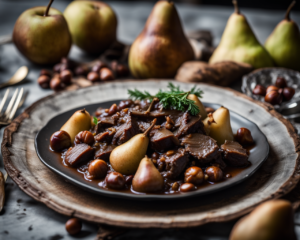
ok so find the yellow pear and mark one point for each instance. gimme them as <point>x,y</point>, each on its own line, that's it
<point>207,122</point>
<point>221,130</point>
<point>162,46</point>
<point>272,220</point>
<point>197,101</point>
<point>126,158</point>
<point>79,121</point>
<point>147,178</point>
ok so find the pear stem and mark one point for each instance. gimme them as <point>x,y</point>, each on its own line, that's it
<point>236,7</point>
<point>287,14</point>
<point>151,105</point>
<point>48,8</point>
<point>150,128</point>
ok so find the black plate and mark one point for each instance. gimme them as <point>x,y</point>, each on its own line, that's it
<point>258,155</point>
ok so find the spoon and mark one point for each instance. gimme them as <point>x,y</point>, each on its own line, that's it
<point>19,75</point>
<point>290,110</point>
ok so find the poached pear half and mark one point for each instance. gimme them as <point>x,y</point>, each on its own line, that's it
<point>239,44</point>
<point>162,46</point>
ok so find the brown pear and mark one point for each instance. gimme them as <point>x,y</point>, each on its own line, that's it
<point>147,178</point>
<point>162,46</point>
<point>272,220</point>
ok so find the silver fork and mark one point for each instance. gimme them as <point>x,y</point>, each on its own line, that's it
<point>14,104</point>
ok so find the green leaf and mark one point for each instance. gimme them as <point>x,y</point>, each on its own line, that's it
<point>95,120</point>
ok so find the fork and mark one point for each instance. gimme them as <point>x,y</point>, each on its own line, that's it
<point>14,104</point>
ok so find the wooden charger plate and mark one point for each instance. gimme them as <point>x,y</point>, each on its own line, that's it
<point>278,175</point>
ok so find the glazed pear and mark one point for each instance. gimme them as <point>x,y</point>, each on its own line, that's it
<point>284,43</point>
<point>239,44</point>
<point>161,47</point>
<point>147,178</point>
<point>221,130</point>
<point>199,104</point>
<point>126,158</point>
<point>272,220</point>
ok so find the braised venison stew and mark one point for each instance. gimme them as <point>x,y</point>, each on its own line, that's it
<point>140,146</point>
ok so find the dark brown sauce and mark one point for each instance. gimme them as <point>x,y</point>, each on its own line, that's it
<point>81,172</point>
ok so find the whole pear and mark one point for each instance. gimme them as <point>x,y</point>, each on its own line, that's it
<point>126,158</point>
<point>284,43</point>
<point>239,44</point>
<point>272,220</point>
<point>42,35</point>
<point>93,25</point>
<point>162,46</point>
<point>220,129</point>
<point>147,178</point>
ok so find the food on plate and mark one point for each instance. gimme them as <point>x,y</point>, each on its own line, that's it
<point>239,43</point>
<point>272,220</point>
<point>93,25</point>
<point>153,143</point>
<point>42,35</point>
<point>284,43</point>
<point>162,46</point>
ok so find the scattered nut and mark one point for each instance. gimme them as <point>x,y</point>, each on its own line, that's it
<point>93,77</point>
<point>44,81</point>
<point>55,84</point>
<point>106,74</point>
<point>66,76</point>
<point>73,226</point>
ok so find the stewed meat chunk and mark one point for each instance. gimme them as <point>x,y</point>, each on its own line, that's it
<point>201,147</point>
<point>79,154</point>
<point>126,131</point>
<point>162,140</point>
<point>189,124</point>
<point>234,154</point>
<point>104,152</point>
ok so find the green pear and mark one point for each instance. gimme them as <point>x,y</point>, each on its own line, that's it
<point>147,178</point>
<point>161,47</point>
<point>284,43</point>
<point>239,44</point>
<point>272,220</point>
<point>42,35</point>
<point>220,129</point>
<point>93,25</point>
<point>126,158</point>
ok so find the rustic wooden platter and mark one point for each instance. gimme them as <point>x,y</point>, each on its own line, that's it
<point>277,176</point>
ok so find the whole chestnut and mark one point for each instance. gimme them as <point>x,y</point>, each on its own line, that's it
<point>98,169</point>
<point>288,93</point>
<point>60,140</point>
<point>194,175</point>
<point>84,137</point>
<point>187,187</point>
<point>66,76</point>
<point>280,82</point>
<point>96,68</point>
<point>214,173</point>
<point>57,67</point>
<point>244,137</point>
<point>122,70</point>
<point>259,90</point>
<point>81,70</point>
<point>73,226</point>
<point>272,88</point>
<point>45,72</point>
<point>115,180</point>
<point>56,84</point>
<point>44,81</point>
<point>113,109</point>
<point>93,77</point>
<point>273,97</point>
<point>106,74</point>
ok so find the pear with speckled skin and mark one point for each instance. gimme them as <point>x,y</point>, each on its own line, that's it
<point>284,43</point>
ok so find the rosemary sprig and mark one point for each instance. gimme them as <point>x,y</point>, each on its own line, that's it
<point>175,98</point>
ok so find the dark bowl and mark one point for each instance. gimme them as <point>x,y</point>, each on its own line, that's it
<point>258,155</point>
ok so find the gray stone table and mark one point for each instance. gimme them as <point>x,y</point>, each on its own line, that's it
<point>25,218</point>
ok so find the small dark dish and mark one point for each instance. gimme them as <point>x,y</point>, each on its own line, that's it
<point>258,154</point>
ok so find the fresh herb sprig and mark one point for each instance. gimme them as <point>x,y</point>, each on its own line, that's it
<point>175,98</point>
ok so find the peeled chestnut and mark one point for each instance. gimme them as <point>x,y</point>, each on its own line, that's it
<point>273,97</point>
<point>244,137</point>
<point>106,74</point>
<point>214,173</point>
<point>44,81</point>
<point>194,175</point>
<point>98,169</point>
<point>288,93</point>
<point>115,180</point>
<point>84,137</point>
<point>272,88</point>
<point>73,226</point>
<point>280,82</point>
<point>60,140</point>
<point>259,90</point>
<point>187,187</point>
<point>66,76</point>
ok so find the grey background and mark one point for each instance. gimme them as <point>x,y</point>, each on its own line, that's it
<point>25,218</point>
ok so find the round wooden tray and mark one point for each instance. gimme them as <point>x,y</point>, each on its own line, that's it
<point>278,175</point>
